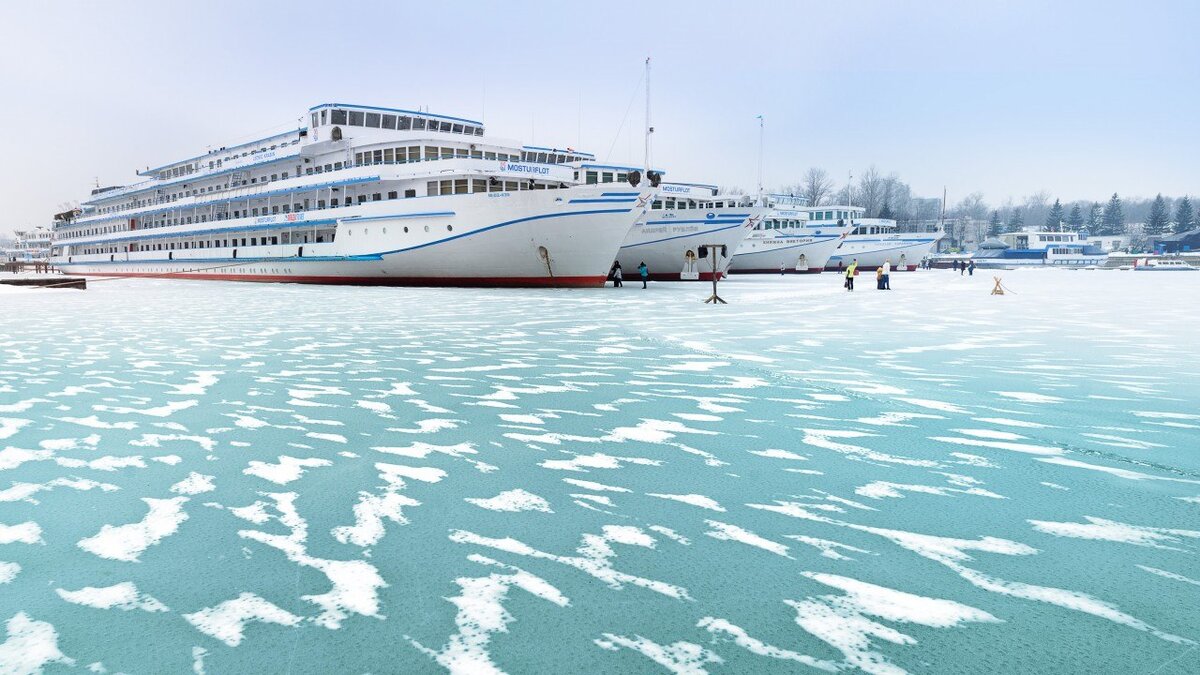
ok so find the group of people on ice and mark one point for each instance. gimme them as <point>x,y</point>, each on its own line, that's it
<point>618,276</point>
<point>883,276</point>
<point>962,266</point>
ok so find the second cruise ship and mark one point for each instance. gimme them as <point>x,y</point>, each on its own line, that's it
<point>362,195</point>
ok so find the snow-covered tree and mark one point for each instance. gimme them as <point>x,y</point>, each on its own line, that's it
<point>816,186</point>
<point>1015,221</point>
<point>1054,219</point>
<point>1156,224</point>
<point>1075,220</point>
<point>1095,219</point>
<point>1114,216</point>
<point>995,227</point>
<point>1185,218</point>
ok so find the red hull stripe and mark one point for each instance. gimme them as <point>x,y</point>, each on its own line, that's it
<point>511,282</point>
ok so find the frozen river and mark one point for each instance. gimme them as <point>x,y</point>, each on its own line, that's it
<point>275,478</point>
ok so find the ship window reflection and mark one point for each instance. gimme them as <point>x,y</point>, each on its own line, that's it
<point>337,117</point>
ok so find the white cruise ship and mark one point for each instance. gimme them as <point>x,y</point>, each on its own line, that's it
<point>787,241</point>
<point>31,245</point>
<point>363,195</point>
<point>874,241</point>
<point>684,217</point>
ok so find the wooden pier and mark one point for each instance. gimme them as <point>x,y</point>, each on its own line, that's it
<point>44,276</point>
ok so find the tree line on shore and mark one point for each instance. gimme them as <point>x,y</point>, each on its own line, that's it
<point>887,196</point>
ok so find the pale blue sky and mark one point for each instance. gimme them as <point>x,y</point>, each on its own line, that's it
<point>1078,98</point>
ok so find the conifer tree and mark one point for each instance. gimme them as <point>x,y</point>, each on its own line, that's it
<point>886,211</point>
<point>1075,220</point>
<point>1015,221</point>
<point>1114,216</point>
<point>995,227</point>
<point>1185,219</point>
<point>1054,219</point>
<point>1156,224</point>
<point>1095,219</point>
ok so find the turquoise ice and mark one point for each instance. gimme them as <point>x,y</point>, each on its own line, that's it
<point>277,478</point>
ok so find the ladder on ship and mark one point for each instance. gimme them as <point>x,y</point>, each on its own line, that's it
<point>236,178</point>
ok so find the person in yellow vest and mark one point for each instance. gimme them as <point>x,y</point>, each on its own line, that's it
<point>850,272</point>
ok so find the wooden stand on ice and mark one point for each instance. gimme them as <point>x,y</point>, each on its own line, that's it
<point>998,289</point>
<point>711,250</point>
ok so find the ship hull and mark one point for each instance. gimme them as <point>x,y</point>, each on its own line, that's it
<point>903,251</point>
<point>795,254</point>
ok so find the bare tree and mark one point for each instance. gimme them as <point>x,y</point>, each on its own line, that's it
<point>816,187</point>
<point>871,191</point>
<point>972,206</point>
<point>1035,208</point>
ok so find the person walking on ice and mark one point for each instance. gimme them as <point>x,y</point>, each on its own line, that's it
<point>850,272</point>
<point>971,269</point>
<point>887,275</point>
<point>644,272</point>
<point>616,274</point>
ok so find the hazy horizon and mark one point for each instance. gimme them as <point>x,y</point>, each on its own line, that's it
<point>1079,99</point>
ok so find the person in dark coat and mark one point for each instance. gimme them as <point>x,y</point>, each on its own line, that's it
<point>615,273</point>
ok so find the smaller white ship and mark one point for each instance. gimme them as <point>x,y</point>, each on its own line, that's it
<point>32,245</point>
<point>874,241</point>
<point>684,217</point>
<point>1030,248</point>
<point>1162,265</point>
<point>787,241</point>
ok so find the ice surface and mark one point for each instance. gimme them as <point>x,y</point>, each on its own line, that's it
<point>930,480</point>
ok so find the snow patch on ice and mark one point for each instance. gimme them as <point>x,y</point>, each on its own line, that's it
<point>128,542</point>
<point>512,501</point>
<point>124,596</point>
<point>227,621</point>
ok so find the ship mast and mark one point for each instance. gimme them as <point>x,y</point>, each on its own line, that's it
<point>649,129</point>
<point>760,160</point>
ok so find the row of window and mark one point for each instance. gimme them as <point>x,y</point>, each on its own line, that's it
<point>412,153</point>
<point>834,215</point>
<point>779,224</point>
<point>375,120</point>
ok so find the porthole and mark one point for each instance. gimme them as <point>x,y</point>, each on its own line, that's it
<point>449,228</point>
<point>426,228</point>
<point>406,229</point>
<point>385,230</point>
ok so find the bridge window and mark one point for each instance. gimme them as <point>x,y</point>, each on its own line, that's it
<point>457,128</point>
<point>356,118</point>
<point>419,123</point>
<point>389,121</point>
<point>404,122</point>
<point>373,120</point>
<point>591,178</point>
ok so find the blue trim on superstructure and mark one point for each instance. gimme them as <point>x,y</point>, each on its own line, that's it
<point>147,172</point>
<point>619,194</point>
<point>249,227</point>
<point>684,236</point>
<point>141,210</point>
<point>205,261</point>
<point>394,110</point>
<point>195,177</point>
<point>601,201</point>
